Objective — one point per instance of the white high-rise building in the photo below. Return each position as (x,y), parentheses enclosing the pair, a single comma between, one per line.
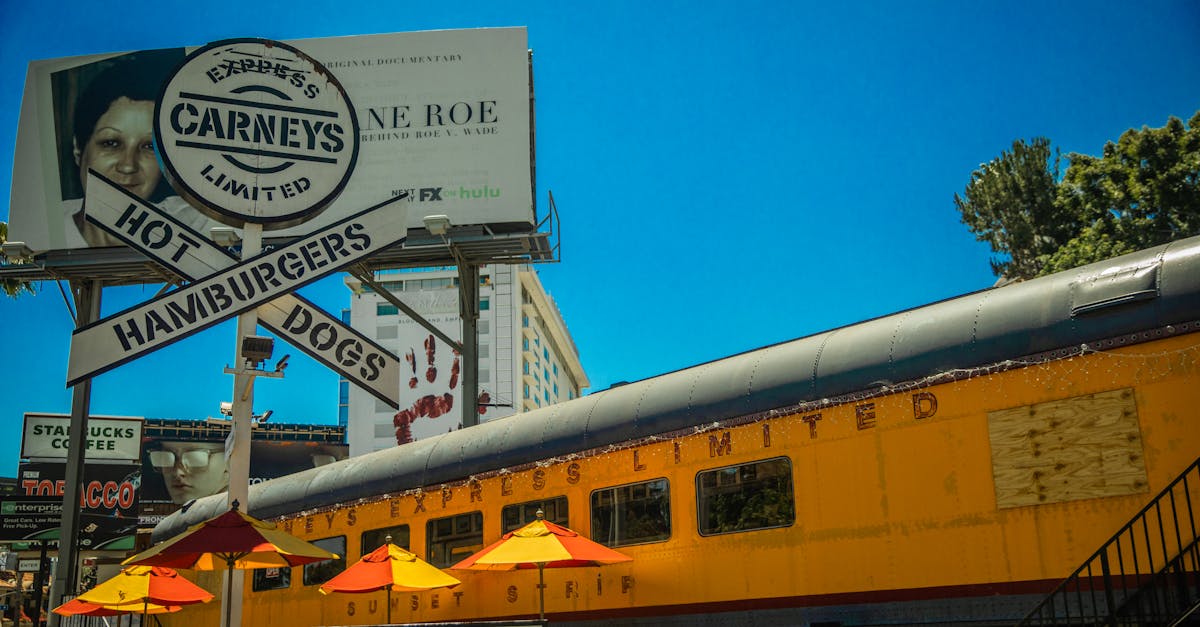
(527,358)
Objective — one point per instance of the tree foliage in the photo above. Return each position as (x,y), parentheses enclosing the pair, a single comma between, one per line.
(12,287)
(1142,191)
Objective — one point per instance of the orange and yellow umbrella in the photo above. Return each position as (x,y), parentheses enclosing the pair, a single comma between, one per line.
(392,568)
(75,607)
(541,544)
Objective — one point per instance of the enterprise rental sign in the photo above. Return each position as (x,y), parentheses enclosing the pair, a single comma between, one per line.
(47,436)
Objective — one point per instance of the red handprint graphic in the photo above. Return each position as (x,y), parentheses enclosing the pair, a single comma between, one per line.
(435,403)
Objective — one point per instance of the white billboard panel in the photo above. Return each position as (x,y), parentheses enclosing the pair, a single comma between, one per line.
(443,115)
(47,436)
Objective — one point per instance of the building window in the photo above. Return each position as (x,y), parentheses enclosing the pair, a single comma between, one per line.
(386,309)
(546,353)
(278,578)
(526,390)
(525,343)
(484,304)
(320,572)
(485,375)
(483,327)
(382,407)
(555,366)
(386,333)
(521,514)
(375,538)
(746,497)
(524,321)
(632,514)
(385,430)
(452,539)
(485,350)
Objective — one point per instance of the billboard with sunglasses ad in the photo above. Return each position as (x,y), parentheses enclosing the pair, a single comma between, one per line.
(176,471)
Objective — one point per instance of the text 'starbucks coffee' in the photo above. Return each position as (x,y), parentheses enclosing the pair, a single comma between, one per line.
(252,130)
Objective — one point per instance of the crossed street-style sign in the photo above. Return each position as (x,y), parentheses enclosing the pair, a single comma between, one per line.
(222,287)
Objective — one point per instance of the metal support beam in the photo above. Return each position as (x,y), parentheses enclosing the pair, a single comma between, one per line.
(468,308)
(87,303)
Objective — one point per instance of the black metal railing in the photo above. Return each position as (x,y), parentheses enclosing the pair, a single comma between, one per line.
(1146,574)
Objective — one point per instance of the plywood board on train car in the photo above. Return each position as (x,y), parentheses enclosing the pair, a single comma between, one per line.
(1077,448)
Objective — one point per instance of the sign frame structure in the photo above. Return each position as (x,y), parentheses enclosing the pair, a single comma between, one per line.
(92,353)
(125,448)
(300,322)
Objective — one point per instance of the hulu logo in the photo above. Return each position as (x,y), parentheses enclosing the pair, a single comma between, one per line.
(477,193)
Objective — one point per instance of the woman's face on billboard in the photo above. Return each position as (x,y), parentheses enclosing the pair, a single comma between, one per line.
(121,147)
(192,469)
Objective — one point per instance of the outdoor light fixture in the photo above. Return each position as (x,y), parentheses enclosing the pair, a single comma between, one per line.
(17,252)
(257,348)
(226,408)
(224,236)
(437,225)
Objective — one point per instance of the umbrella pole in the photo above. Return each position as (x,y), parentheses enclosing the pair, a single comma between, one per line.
(228,592)
(542,591)
(389,602)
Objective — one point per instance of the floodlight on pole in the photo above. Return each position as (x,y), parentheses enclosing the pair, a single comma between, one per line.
(437,224)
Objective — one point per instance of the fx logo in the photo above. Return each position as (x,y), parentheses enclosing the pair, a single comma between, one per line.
(430,193)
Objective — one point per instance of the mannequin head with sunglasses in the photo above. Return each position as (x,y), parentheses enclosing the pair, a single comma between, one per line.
(191,469)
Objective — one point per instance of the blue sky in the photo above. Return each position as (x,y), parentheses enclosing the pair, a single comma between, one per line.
(728,174)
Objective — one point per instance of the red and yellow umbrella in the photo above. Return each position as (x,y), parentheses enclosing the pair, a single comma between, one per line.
(392,568)
(541,544)
(144,589)
(75,607)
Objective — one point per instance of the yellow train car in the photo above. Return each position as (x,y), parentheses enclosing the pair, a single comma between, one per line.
(944,465)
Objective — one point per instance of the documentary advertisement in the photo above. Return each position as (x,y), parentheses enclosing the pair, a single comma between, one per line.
(178,470)
(444,121)
(108,502)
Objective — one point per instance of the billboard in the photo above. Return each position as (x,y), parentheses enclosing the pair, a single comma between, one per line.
(444,119)
(46,436)
(108,502)
(176,470)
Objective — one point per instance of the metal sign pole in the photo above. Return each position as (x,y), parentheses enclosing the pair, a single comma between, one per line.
(238,448)
(468,306)
(87,303)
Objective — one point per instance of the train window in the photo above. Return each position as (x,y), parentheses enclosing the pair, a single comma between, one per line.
(516,516)
(320,572)
(272,579)
(751,496)
(632,514)
(450,540)
(375,538)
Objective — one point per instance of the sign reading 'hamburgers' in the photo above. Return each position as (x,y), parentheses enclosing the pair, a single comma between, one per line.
(252,130)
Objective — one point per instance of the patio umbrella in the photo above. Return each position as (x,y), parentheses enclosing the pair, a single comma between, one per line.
(541,544)
(392,568)
(137,588)
(75,607)
(231,540)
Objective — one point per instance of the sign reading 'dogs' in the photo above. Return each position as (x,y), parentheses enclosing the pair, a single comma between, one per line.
(253,130)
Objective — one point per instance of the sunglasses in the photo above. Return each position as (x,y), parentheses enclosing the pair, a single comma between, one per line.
(192,459)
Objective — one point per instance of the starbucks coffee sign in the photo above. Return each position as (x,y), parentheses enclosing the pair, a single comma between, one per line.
(253,130)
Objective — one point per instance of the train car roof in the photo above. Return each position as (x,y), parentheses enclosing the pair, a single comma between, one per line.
(1148,290)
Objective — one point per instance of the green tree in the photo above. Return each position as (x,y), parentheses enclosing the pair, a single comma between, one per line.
(12,287)
(1010,204)
(1143,191)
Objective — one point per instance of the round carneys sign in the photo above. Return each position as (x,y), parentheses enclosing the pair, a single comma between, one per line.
(252,130)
